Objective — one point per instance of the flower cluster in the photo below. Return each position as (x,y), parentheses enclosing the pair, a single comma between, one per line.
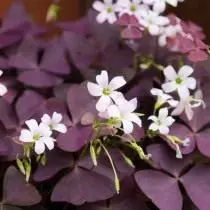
(112,104)
(40,135)
(179,84)
(142,16)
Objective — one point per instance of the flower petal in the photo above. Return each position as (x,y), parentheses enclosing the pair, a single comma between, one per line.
(163,113)
(102,17)
(133,118)
(113,111)
(156,91)
(185,71)
(32,125)
(183,92)
(117,82)
(3,89)
(164,130)
(190,83)
(39,147)
(94,89)
(154,29)
(49,142)
(179,109)
(56,117)
(189,113)
(103,103)
(103,79)
(159,6)
(127,126)
(169,121)
(46,119)
(169,87)
(153,127)
(111,18)
(26,136)
(44,130)
(60,128)
(162,21)
(99,6)
(170,73)
(153,118)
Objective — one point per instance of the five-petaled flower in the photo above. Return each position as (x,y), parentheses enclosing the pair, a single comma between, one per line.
(180,81)
(107,11)
(163,98)
(162,122)
(187,104)
(160,5)
(54,123)
(39,135)
(123,113)
(153,22)
(131,7)
(3,88)
(106,90)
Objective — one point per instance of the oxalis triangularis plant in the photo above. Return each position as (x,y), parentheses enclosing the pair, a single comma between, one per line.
(113,113)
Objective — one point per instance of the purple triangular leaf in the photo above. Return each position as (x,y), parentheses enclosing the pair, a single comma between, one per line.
(165,159)
(203,142)
(7,115)
(17,191)
(82,186)
(160,187)
(75,138)
(129,197)
(54,60)
(78,106)
(80,49)
(39,79)
(27,105)
(94,206)
(197,184)
(56,160)
(183,132)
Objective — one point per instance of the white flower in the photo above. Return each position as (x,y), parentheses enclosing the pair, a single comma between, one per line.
(131,7)
(180,81)
(123,113)
(105,90)
(170,31)
(163,98)
(54,123)
(153,22)
(107,11)
(162,122)
(3,88)
(40,135)
(160,5)
(187,104)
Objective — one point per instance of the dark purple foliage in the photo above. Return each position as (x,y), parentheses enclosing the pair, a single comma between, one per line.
(51,76)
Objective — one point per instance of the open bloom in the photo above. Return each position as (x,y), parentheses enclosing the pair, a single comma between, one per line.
(163,98)
(170,32)
(106,90)
(153,22)
(3,88)
(123,113)
(39,135)
(131,7)
(162,122)
(160,5)
(179,81)
(54,123)
(188,104)
(107,11)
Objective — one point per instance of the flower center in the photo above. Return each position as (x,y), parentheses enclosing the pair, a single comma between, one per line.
(106,91)
(133,8)
(179,80)
(159,122)
(36,137)
(109,10)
